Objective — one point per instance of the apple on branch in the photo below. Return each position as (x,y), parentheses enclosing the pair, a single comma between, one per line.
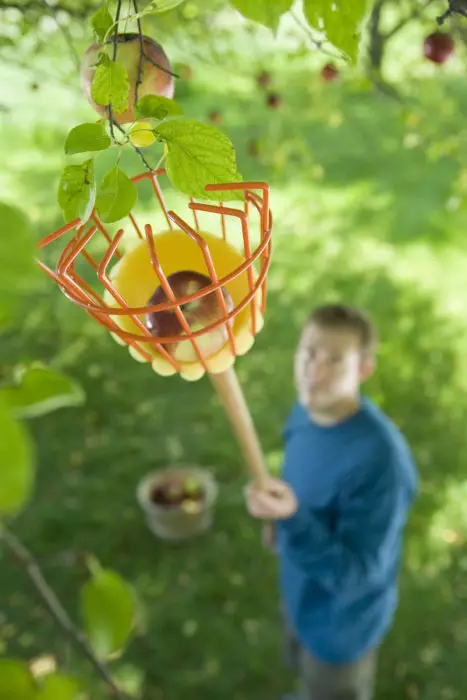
(215,117)
(154,80)
(438,47)
(329,72)
(264,79)
(199,314)
(274,100)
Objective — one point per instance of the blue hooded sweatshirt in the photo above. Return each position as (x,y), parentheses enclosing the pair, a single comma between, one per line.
(340,553)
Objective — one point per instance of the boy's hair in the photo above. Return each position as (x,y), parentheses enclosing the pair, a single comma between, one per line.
(346,317)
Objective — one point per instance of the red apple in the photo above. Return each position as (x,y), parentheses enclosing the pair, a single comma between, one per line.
(329,72)
(176,491)
(274,101)
(438,47)
(263,79)
(199,314)
(170,492)
(154,80)
(215,117)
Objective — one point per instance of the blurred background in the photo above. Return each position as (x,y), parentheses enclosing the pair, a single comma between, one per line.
(368,175)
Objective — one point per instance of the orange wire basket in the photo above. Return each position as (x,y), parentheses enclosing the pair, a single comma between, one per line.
(104,301)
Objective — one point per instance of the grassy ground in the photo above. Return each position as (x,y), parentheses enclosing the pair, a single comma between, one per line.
(367,202)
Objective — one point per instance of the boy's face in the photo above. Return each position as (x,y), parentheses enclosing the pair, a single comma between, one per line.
(329,366)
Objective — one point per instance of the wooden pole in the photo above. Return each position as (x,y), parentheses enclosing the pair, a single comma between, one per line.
(230,392)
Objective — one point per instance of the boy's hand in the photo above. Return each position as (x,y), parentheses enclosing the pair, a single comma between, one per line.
(276,501)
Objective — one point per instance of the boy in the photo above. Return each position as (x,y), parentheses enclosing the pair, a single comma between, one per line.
(340,509)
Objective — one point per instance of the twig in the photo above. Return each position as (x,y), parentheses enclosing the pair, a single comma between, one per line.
(456,7)
(73,11)
(145,55)
(164,70)
(413,15)
(317,43)
(114,58)
(114,124)
(67,36)
(117,20)
(109,109)
(127,18)
(139,78)
(143,159)
(376,38)
(376,54)
(58,612)
(65,558)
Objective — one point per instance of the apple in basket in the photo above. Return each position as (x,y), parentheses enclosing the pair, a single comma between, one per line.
(199,314)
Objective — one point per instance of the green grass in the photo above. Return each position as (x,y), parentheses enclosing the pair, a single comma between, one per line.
(363,213)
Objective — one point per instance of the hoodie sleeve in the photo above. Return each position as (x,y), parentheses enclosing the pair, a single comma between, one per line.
(360,546)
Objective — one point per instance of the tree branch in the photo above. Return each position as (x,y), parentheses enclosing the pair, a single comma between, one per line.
(58,612)
(73,11)
(376,54)
(139,78)
(456,7)
(66,558)
(376,38)
(112,122)
(417,12)
(52,10)
(113,125)
(164,70)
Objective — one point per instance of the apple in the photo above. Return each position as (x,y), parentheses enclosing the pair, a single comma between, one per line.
(263,79)
(329,72)
(154,80)
(170,492)
(274,101)
(438,47)
(175,491)
(215,117)
(199,314)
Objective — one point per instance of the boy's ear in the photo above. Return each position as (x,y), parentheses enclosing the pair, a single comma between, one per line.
(367,368)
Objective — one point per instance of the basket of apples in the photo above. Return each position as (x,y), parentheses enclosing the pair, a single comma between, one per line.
(178,501)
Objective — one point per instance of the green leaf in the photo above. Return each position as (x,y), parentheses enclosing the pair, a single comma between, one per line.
(340,21)
(116,196)
(267,12)
(77,191)
(109,610)
(157,107)
(198,155)
(102,22)
(19,273)
(87,137)
(57,686)
(16,681)
(39,391)
(16,463)
(110,84)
